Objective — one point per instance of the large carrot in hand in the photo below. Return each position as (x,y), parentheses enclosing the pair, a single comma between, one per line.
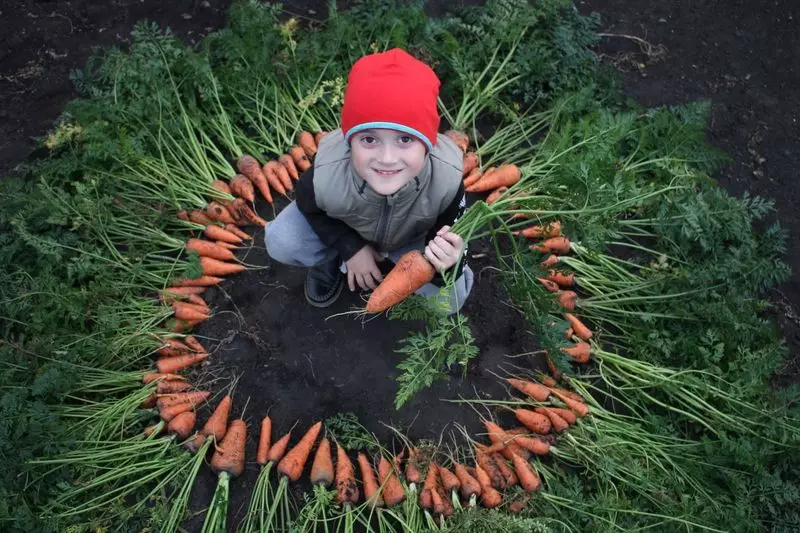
(295,459)
(322,468)
(392,491)
(410,273)
(229,455)
(504,176)
(346,488)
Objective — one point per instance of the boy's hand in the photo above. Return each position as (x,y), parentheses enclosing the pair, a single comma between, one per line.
(362,269)
(445,249)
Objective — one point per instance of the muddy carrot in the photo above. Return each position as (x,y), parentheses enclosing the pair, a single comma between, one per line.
(495,195)
(566,299)
(564,280)
(172,347)
(437,505)
(519,504)
(182,425)
(300,158)
(469,485)
(214,267)
(346,488)
(292,464)
(470,163)
(579,408)
(219,213)
(553,229)
(505,470)
(198,217)
(243,188)
(450,481)
(322,468)
(484,459)
(392,490)
(246,216)
(306,141)
(288,163)
(490,497)
(270,170)
(538,392)
(551,286)
(412,472)
(168,400)
(410,273)
(580,352)
(179,362)
(229,455)
(504,176)
(579,327)
(553,245)
(248,166)
(431,478)
(501,441)
(534,421)
(558,423)
(459,137)
(528,478)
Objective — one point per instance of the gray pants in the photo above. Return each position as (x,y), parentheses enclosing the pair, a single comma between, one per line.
(291,240)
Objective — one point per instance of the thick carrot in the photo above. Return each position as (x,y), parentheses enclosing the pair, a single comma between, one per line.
(476,174)
(198,217)
(306,141)
(173,364)
(248,166)
(580,352)
(535,445)
(168,413)
(501,441)
(392,490)
(553,229)
(412,472)
(168,400)
(264,439)
(410,273)
(182,425)
(504,176)
(172,347)
(217,424)
(495,195)
(450,481)
(210,249)
(579,327)
(218,212)
(322,468)
(471,162)
(318,137)
(277,450)
(214,267)
(149,377)
(292,464)
(534,421)
(346,488)
(553,245)
(574,395)
(505,470)
(288,163)
(431,478)
(229,454)
(459,137)
(187,311)
(243,188)
(538,392)
(551,286)
(437,505)
(490,497)
(579,408)
(183,291)
(551,260)
(485,460)
(566,414)
(469,485)
(273,179)
(215,233)
(300,158)
(566,299)
(245,216)
(558,423)
(528,478)
(564,280)
(282,173)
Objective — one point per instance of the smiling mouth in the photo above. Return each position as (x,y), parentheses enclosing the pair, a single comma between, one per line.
(386,173)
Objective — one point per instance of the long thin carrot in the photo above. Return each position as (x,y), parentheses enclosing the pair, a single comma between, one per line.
(215,233)
(202,281)
(431,478)
(300,158)
(538,392)
(292,464)
(450,481)
(504,176)
(528,478)
(179,362)
(581,352)
(219,213)
(578,327)
(182,425)
(264,440)
(288,163)
(187,311)
(553,245)
(410,273)
(210,249)
(322,472)
(243,188)
(346,488)
(490,497)
(306,141)
(392,490)
(558,423)
(505,470)
(534,421)
(229,455)
(471,162)
(579,408)
(277,450)
(469,485)
(437,505)
(215,267)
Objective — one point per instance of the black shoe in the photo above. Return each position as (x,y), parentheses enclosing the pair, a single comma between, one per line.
(324,284)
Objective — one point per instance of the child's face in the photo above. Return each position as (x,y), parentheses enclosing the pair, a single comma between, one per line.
(386,159)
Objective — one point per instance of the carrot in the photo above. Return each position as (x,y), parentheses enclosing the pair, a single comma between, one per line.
(579,408)
(288,163)
(216,211)
(193,398)
(553,368)
(574,395)
(149,402)
(152,429)
(579,327)
(412,472)
(229,455)
(182,425)
(538,392)
(495,195)
(469,485)
(459,137)
(551,260)
(295,459)
(202,281)
(410,273)
(192,342)
(183,291)
(306,141)
(534,421)
(437,504)
(535,445)
(198,217)
(215,233)
(264,439)
(214,267)
(519,504)
(217,424)
(551,286)
(300,158)
(209,249)
(277,450)
(489,496)
(501,441)
(547,381)
(475,175)
(392,490)
(249,167)
(243,188)
(565,280)
(172,347)
(557,422)
(187,311)
(505,470)
(450,481)
(172,387)
(173,364)
(273,179)
(566,414)
(149,377)
(179,326)
(485,461)
(470,163)
(504,176)
(528,478)
(282,173)
(553,229)
(566,299)
(553,245)
(580,352)
(346,488)
(168,413)
(233,228)
(322,467)
(182,214)
(431,478)
(318,137)
(245,216)
(227,245)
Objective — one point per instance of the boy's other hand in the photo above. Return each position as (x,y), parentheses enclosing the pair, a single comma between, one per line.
(444,250)
(362,269)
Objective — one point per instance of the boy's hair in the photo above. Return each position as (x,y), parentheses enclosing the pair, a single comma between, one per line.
(392,90)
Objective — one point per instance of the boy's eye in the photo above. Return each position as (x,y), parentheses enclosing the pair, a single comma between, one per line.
(405,139)
(367,139)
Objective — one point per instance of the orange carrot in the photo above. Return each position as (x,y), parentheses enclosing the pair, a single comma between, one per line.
(233,228)
(243,188)
(245,216)
(168,413)
(264,439)
(194,398)
(470,163)
(574,395)
(535,445)
(322,467)
(183,291)
(579,408)
(551,286)
(273,179)
(501,441)
(469,485)
(221,186)
(551,260)
(288,163)
(566,414)
(149,377)
(579,327)
(534,421)
(475,175)
(553,245)
(431,478)
(202,281)
(538,392)
(172,347)
(282,173)
(173,364)
(580,352)
(552,367)
(215,233)
(216,211)
(504,176)
(318,137)
(179,326)
(214,267)
(485,460)
(553,229)
(547,381)
(450,481)
(528,478)
(277,450)
(182,425)
(495,195)
(489,496)
(392,490)
(292,464)
(556,421)
(410,273)
(227,245)
(505,470)
(347,490)
(187,311)
(183,214)
(300,158)
(209,249)
(248,166)
(217,424)
(198,217)
(306,141)
(519,504)
(567,299)
(172,387)
(192,342)
(565,280)
(437,505)
(412,472)
(229,455)
(459,137)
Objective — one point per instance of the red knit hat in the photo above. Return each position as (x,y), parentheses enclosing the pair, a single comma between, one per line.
(395,91)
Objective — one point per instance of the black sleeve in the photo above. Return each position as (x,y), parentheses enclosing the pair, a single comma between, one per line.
(448,217)
(331,231)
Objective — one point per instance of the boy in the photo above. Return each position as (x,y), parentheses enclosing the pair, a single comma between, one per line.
(383,184)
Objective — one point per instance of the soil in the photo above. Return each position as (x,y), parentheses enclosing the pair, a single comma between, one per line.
(299,366)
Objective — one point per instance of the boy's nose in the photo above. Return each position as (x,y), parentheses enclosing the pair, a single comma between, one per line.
(387,155)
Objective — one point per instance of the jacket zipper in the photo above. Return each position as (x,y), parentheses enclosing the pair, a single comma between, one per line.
(383,222)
